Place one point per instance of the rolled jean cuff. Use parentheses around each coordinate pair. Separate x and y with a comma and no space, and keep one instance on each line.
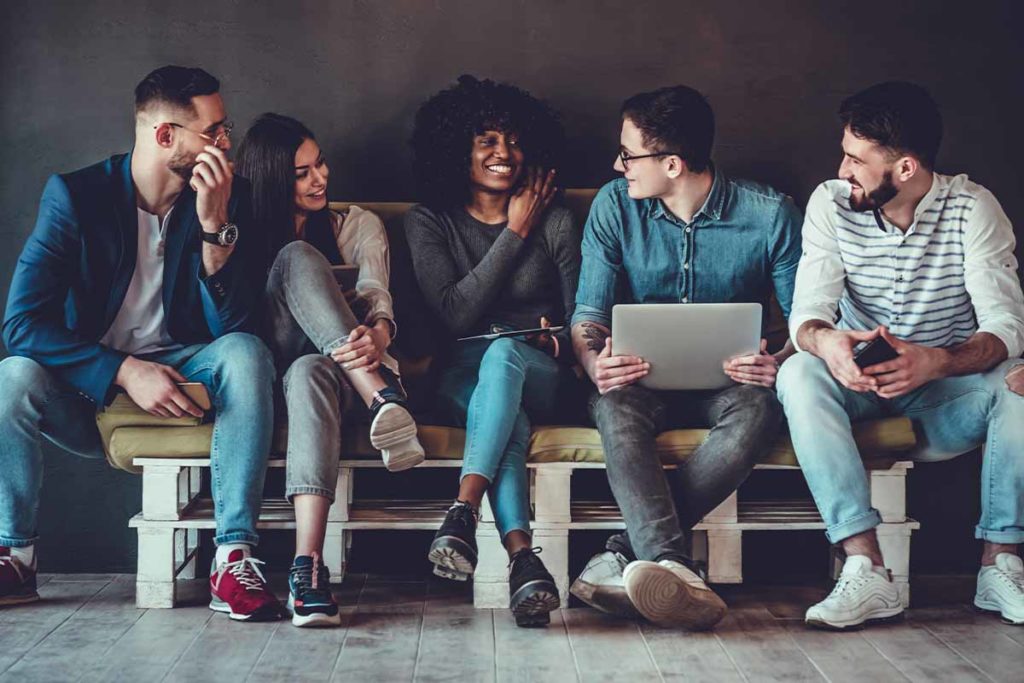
(237,537)
(1013,537)
(517,526)
(851,527)
(467,472)
(17,542)
(293,491)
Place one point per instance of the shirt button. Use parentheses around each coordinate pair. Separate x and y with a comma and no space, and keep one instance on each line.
(689,230)
(686,266)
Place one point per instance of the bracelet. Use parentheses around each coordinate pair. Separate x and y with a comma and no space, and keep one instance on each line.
(555,339)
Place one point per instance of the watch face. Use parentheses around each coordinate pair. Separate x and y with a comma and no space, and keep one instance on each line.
(228,234)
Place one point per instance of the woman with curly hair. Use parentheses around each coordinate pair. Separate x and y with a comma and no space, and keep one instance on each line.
(326,342)
(491,254)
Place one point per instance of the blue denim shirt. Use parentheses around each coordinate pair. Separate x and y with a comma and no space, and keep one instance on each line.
(744,240)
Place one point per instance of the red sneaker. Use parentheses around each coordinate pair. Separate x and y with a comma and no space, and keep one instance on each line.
(17,582)
(238,588)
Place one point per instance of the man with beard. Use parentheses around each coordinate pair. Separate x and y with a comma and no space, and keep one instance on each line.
(142,273)
(922,262)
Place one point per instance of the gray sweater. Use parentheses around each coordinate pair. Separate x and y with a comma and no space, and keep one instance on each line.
(474,274)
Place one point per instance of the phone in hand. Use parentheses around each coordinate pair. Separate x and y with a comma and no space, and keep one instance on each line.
(197,393)
(874,352)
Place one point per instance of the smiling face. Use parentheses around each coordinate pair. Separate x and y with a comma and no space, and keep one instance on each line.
(869,169)
(495,162)
(310,177)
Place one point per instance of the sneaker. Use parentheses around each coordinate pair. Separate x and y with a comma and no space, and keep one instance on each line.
(309,593)
(237,587)
(533,594)
(453,552)
(17,581)
(862,594)
(393,433)
(600,585)
(1001,588)
(670,594)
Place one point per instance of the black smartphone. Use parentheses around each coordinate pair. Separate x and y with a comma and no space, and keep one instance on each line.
(874,352)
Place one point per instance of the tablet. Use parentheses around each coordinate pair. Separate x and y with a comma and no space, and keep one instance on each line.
(686,343)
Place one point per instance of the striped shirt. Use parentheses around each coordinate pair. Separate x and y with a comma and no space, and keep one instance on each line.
(950,275)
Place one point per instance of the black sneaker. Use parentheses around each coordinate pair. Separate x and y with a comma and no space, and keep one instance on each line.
(309,593)
(453,551)
(532,590)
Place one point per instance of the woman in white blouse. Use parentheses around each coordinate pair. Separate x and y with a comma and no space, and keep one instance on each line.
(327,343)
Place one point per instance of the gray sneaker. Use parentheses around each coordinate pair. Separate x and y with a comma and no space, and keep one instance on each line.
(600,585)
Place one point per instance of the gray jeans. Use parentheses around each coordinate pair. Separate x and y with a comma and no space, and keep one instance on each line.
(308,318)
(744,421)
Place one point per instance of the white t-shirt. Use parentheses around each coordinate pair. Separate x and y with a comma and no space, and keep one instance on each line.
(140,326)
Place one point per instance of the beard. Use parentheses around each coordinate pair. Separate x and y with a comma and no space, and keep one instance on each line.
(878,197)
(181,165)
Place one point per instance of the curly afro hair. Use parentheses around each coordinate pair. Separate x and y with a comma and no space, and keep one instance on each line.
(446,124)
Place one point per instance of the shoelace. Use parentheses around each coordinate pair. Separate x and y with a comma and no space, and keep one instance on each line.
(247,572)
(848,583)
(527,555)
(1012,579)
(308,578)
(465,513)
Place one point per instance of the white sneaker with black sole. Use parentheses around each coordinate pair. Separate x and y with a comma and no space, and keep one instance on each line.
(601,585)
(863,593)
(670,594)
(1001,588)
(393,433)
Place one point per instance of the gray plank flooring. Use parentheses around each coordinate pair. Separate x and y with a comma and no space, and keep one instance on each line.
(88,629)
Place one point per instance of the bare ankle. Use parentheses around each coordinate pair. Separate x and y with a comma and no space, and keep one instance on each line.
(991,550)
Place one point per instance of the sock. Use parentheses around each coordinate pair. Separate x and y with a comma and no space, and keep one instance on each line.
(25,555)
(224,551)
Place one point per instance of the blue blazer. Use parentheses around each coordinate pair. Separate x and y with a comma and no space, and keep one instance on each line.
(75,269)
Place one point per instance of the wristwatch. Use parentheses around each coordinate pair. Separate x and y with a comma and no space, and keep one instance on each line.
(224,237)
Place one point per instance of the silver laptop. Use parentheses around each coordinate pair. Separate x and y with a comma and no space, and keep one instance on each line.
(686,343)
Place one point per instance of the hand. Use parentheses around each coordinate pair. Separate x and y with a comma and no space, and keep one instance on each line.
(835,347)
(1015,379)
(915,366)
(530,201)
(211,179)
(154,388)
(613,372)
(364,348)
(759,368)
(542,340)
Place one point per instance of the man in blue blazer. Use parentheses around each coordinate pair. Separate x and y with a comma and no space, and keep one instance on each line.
(143,272)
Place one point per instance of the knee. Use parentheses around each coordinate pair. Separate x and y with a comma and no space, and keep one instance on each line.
(297,253)
(501,355)
(19,377)
(760,403)
(1006,390)
(801,371)
(313,370)
(627,405)
(243,360)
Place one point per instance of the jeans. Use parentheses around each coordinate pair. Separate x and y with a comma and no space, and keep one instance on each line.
(951,416)
(308,317)
(494,389)
(238,372)
(744,421)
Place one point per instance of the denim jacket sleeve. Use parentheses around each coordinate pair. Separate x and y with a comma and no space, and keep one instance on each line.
(602,260)
(784,253)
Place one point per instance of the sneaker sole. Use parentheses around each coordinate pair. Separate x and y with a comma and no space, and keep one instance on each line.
(533,603)
(603,599)
(23,599)
(452,558)
(397,459)
(313,620)
(392,426)
(877,617)
(993,608)
(262,614)
(665,600)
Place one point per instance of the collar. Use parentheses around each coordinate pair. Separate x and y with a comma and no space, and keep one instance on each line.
(712,207)
(927,200)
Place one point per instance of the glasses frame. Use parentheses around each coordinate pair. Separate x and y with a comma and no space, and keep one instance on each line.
(626,158)
(214,140)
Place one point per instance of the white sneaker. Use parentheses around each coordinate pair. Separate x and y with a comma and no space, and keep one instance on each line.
(393,432)
(1001,588)
(862,593)
(600,585)
(669,594)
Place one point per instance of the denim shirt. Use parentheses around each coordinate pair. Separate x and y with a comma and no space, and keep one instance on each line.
(744,240)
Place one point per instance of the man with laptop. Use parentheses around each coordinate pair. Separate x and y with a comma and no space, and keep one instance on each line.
(675,231)
(921,266)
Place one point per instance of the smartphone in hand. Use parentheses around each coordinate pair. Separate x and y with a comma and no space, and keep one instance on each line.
(874,352)
(197,393)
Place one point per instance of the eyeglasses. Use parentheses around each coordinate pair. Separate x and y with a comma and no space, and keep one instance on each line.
(625,158)
(215,140)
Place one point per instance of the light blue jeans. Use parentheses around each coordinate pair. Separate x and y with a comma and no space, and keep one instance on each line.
(951,416)
(238,371)
(494,389)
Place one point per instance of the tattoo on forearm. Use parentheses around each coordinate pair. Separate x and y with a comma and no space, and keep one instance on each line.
(594,336)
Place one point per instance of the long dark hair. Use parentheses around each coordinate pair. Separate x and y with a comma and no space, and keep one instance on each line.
(266,156)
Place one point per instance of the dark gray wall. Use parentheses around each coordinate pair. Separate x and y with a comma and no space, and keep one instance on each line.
(355,72)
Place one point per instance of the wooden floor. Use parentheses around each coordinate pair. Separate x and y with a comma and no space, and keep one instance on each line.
(88,629)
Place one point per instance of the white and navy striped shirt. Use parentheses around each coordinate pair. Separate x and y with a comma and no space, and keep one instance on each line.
(952,274)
